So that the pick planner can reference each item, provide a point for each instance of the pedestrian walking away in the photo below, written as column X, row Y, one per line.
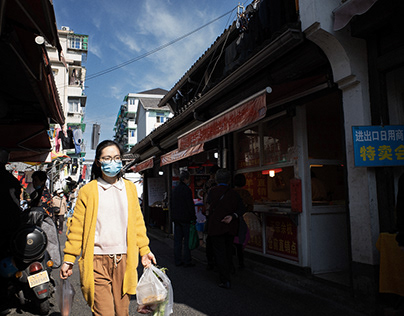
column 182, row 214
column 224, row 210
column 59, row 203
column 109, row 232
column 210, row 257
column 241, row 240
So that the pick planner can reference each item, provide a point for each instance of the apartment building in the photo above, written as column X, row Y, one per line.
column 138, row 116
column 69, row 74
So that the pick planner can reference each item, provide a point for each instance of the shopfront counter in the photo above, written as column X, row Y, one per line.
column 273, row 230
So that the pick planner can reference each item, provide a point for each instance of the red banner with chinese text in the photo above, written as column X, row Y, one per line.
column 177, row 154
column 235, row 118
column 147, row 164
column 281, row 237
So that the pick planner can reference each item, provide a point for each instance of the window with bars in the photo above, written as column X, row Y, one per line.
column 78, row 42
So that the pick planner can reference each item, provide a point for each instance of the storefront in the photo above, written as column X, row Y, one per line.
column 294, row 166
column 315, row 208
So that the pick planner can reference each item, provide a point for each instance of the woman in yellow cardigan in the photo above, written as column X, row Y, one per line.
column 109, row 232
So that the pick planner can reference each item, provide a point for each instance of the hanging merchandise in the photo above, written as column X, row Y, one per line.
column 67, row 139
column 58, row 141
column 75, row 166
column 78, row 140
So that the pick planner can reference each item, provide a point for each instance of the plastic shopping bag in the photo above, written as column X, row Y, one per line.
column 193, row 237
column 150, row 291
column 165, row 308
column 65, row 292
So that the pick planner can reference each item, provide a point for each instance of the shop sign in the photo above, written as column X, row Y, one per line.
column 378, row 146
column 147, row 164
column 237, row 117
column 255, row 229
column 177, row 154
column 281, row 237
column 257, row 185
column 296, row 195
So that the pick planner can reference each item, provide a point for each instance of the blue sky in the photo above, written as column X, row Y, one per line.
column 122, row 30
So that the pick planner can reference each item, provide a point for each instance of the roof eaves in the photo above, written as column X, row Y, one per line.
column 219, row 40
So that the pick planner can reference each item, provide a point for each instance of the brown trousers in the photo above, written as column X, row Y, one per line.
column 108, row 281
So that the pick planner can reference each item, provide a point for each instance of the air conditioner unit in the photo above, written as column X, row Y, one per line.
column 65, row 28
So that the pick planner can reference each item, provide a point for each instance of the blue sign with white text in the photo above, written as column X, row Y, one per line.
column 378, row 146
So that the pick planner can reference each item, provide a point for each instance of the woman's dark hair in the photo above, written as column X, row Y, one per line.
column 223, row 176
column 184, row 175
column 239, row 180
column 41, row 175
column 95, row 169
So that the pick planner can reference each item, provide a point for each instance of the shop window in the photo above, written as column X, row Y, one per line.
column 248, row 144
column 277, row 140
column 325, row 128
column 327, row 184
column 267, row 188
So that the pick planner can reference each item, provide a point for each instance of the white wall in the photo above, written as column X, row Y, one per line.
column 348, row 59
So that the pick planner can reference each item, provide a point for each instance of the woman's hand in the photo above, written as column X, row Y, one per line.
column 227, row 219
column 66, row 270
column 147, row 259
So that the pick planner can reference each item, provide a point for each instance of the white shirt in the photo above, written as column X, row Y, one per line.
column 112, row 218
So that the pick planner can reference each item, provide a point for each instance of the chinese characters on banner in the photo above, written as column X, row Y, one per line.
column 257, row 185
column 281, row 237
column 376, row 146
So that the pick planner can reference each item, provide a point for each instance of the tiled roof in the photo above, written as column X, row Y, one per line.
column 148, row 104
column 158, row 91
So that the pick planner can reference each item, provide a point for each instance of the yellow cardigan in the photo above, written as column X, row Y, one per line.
column 80, row 239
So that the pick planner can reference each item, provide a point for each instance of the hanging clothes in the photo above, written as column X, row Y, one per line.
column 67, row 139
column 58, row 140
column 78, row 140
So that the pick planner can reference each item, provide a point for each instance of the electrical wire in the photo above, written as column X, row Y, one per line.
column 108, row 70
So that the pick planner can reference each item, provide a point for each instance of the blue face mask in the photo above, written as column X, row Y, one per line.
column 111, row 169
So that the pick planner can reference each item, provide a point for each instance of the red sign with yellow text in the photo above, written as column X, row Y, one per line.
column 281, row 237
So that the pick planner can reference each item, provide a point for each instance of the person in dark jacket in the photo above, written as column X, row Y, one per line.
column 182, row 214
column 41, row 196
column 224, row 211
column 10, row 191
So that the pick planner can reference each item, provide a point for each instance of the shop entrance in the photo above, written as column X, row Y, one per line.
column 328, row 215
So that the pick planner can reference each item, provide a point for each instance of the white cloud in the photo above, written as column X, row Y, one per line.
column 97, row 21
column 129, row 42
column 95, row 49
column 160, row 24
column 116, row 92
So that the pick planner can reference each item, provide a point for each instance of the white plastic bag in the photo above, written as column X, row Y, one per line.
column 65, row 292
column 150, row 291
column 165, row 308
